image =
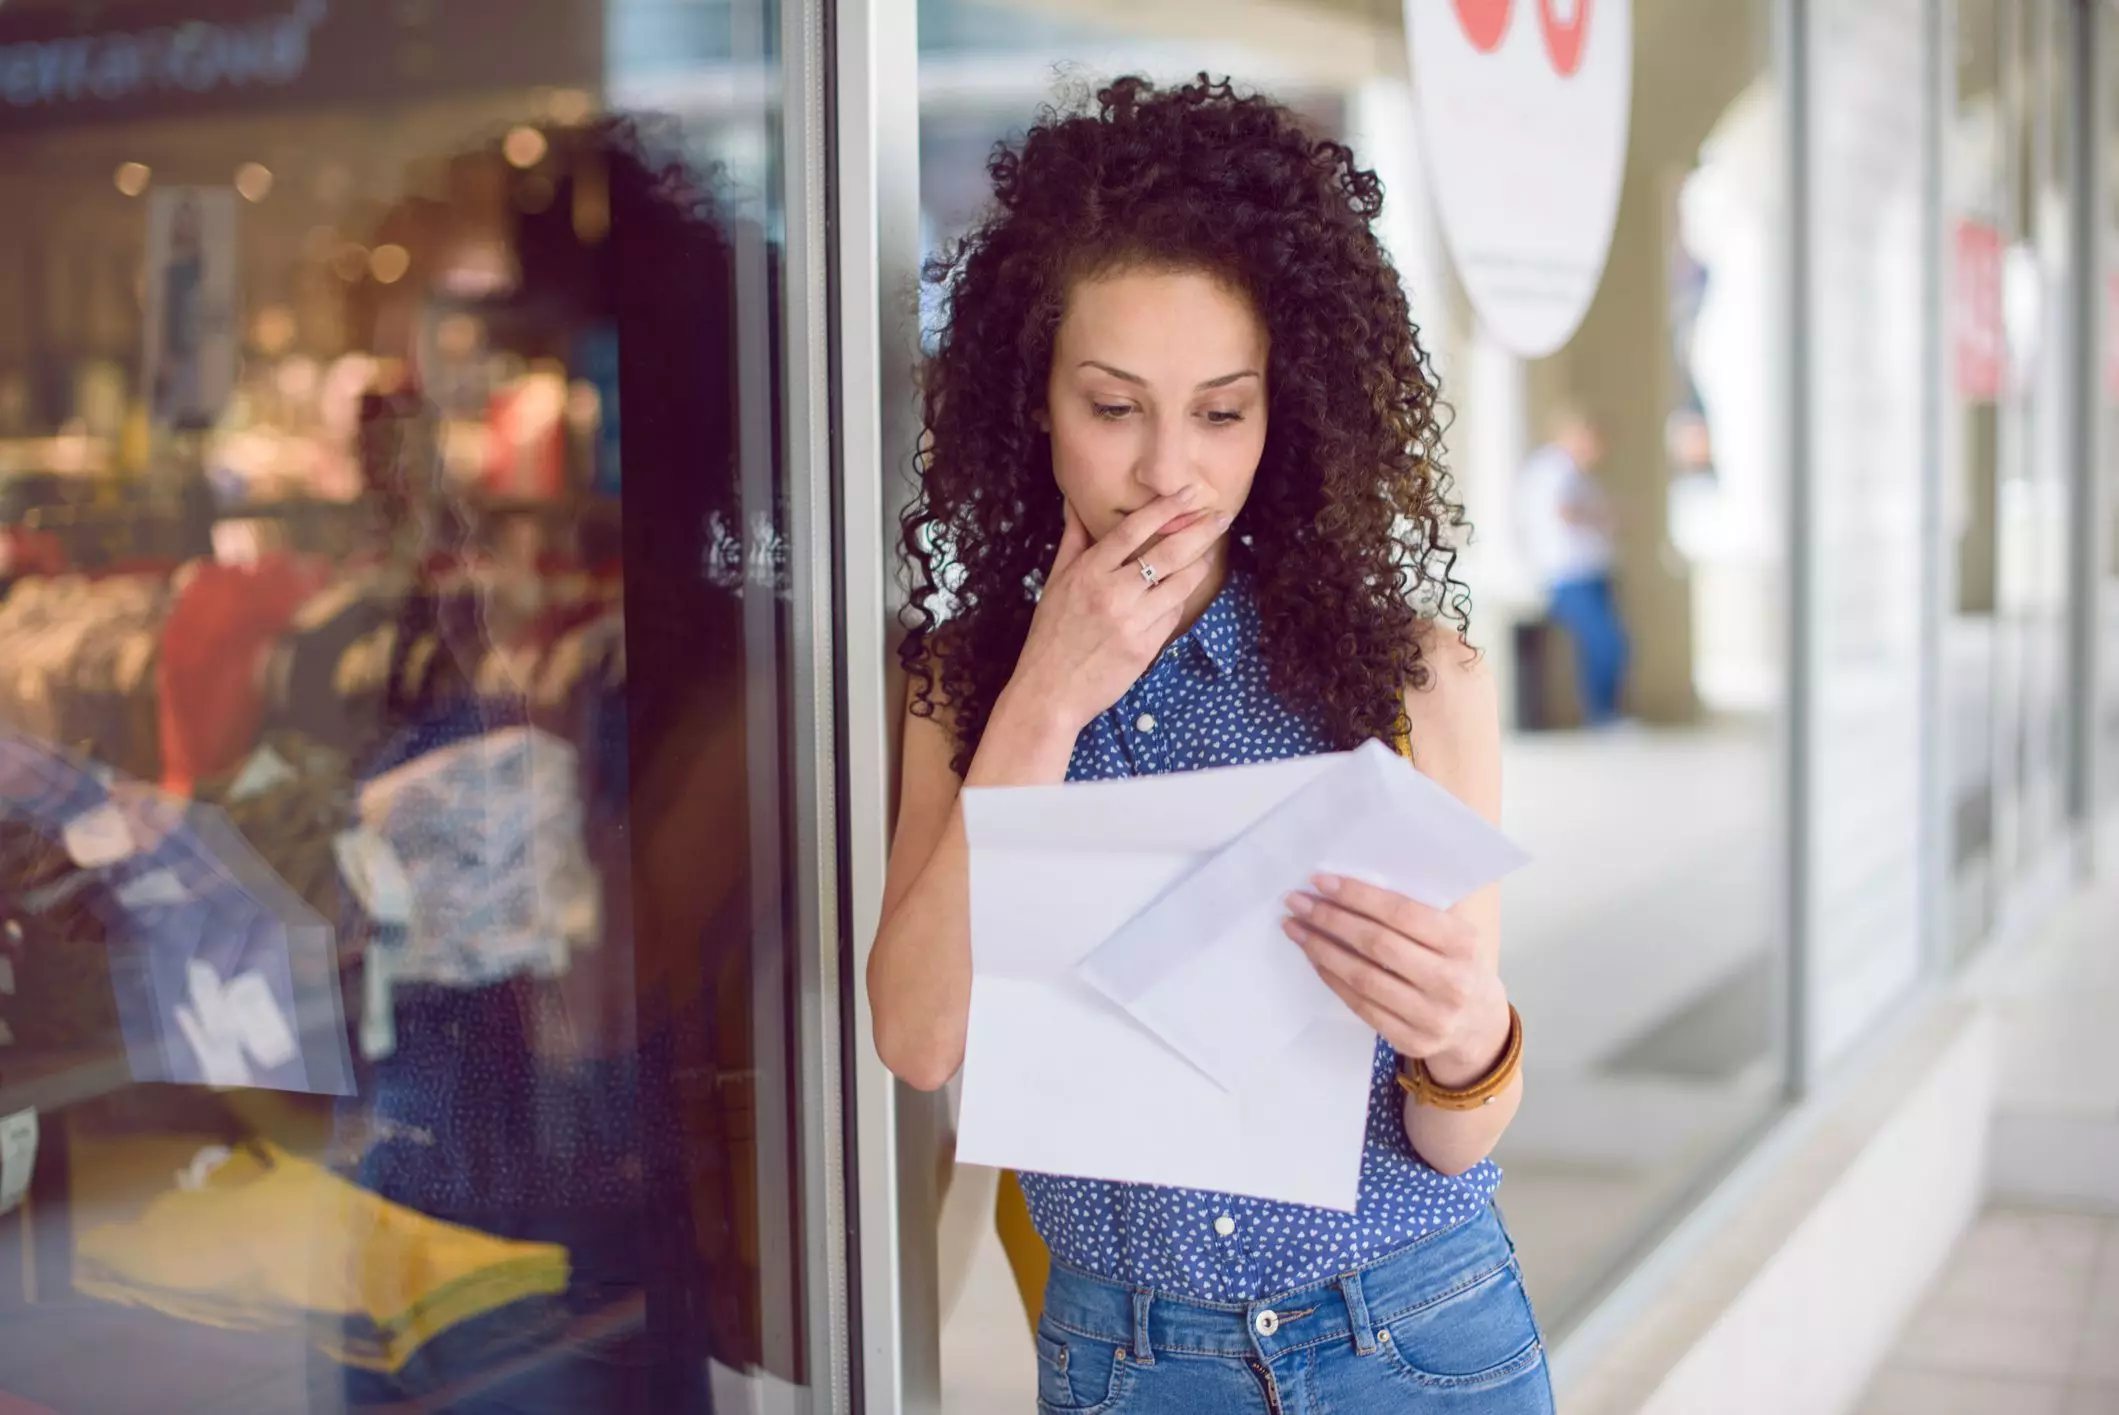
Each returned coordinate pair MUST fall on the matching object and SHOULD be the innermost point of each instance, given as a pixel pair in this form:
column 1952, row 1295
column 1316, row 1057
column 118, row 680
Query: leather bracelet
column 1423, row 1088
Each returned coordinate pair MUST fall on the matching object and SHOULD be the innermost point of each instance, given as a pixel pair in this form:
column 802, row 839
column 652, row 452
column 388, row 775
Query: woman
column 1179, row 482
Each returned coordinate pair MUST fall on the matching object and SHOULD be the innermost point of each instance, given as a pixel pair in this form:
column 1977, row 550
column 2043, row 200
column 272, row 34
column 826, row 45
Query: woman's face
column 1158, row 384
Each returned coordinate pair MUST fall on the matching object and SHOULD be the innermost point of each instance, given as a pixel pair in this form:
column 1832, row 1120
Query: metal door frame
column 875, row 166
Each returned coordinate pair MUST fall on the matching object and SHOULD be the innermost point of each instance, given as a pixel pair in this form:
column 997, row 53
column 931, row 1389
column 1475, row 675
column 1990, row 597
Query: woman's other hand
column 1414, row 973
column 1100, row 622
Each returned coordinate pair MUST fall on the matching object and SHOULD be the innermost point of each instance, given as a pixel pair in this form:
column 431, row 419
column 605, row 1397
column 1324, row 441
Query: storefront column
column 895, row 1134
column 2088, row 487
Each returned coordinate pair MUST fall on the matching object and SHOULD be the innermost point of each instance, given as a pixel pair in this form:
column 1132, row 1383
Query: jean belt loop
column 1357, row 1315
column 1142, row 1351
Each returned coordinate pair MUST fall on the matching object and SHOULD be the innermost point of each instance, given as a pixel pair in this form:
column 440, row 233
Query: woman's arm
column 1098, row 626
column 919, row 973
column 1457, row 726
column 1429, row 980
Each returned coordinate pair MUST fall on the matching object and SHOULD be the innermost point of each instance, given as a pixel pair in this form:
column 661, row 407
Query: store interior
column 342, row 789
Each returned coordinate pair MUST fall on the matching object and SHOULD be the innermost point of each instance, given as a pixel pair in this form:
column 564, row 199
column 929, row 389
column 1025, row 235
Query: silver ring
column 1147, row 572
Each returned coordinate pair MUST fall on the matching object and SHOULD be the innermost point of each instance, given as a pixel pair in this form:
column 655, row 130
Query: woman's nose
column 1164, row 466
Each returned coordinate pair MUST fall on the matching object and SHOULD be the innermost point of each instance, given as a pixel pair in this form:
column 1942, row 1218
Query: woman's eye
column 1112, row 412
column 1219, row 418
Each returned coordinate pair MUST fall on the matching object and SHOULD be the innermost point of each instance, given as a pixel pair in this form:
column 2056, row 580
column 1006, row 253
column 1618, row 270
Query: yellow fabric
column 271, row 1241
column 1028, row 1257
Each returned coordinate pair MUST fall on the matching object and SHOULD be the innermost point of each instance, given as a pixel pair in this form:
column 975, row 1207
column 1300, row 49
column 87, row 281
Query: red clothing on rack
column 211, row 699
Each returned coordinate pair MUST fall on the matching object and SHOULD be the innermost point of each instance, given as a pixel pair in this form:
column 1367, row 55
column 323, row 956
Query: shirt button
column 1145, row 722
column 1267, row 1322
column 1225, row 1225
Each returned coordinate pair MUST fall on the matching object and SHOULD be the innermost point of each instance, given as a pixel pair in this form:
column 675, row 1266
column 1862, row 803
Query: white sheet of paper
column 1207, row 968
column 1060, row 1079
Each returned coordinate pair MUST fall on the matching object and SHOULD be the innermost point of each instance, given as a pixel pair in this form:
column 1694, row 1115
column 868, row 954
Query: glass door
column 418, row 979
column 2106, row 118
column 2031, row 586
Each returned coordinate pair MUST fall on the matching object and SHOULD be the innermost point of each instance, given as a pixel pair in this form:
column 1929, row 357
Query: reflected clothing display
column 290, row 799
column 402, row 805
column 54, row 951
column 220, row 974
column 77, row 663
column 1205, row 702
column 326, row 674
column 369, row 1282
column 207, row 678
column 488, row 831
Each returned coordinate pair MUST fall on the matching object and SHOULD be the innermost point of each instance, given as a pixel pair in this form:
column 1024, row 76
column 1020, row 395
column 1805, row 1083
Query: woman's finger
column 1336, row 961
column 1172, row 593
column 1407, row 1034
column 1380, row 944
column 1188, row 546
column 1429, row 973
column 1074, row 539
column 1436, row 928
column 1129, row 535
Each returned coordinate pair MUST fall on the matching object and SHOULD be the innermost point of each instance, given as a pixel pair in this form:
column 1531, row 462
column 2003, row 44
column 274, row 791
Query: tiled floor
column 2025, row 1321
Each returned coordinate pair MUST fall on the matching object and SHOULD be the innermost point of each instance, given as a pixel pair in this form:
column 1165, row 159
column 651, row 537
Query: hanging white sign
column 1522, row 110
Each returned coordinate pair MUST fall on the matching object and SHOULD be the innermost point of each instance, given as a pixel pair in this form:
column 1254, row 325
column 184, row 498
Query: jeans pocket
column 1473, row 1339
column 1078, row 1375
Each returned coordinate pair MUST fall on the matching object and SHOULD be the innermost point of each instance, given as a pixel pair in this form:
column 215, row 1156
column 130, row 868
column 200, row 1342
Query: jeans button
column 1267, row 1322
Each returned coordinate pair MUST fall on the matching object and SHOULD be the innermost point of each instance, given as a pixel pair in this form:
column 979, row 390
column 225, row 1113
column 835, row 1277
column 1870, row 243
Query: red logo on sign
column 1982, row 348
column 2111, row 338
column 1485, row 22
column 1564, row 39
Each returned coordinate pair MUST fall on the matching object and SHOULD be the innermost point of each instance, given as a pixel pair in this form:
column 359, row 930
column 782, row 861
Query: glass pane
column 398, row 967
column 2107, row 119
column 2032, row 152
column 1643, row 948
column 1977, row 354
column 1868, row 315
column 1634, row 541
column 2036, row 501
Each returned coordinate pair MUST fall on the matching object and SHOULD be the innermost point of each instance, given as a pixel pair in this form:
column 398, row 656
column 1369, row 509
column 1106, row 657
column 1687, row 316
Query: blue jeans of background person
column 1589, row 613
column 1442, row 1325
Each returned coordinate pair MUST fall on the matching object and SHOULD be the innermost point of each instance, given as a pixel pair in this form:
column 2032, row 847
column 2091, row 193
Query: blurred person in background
column 1569, row 531
column 1180, row 479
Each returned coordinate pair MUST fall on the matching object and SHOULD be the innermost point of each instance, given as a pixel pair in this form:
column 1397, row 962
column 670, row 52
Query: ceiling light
column 389, row 263
column 524, row 147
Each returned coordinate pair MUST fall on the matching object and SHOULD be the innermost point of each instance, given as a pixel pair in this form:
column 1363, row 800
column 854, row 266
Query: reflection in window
column 395, row 988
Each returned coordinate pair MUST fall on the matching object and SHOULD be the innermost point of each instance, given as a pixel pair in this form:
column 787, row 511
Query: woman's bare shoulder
column 1454, row 717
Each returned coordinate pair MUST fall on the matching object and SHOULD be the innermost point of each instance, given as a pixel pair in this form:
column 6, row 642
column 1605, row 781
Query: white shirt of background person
column 1564, row 515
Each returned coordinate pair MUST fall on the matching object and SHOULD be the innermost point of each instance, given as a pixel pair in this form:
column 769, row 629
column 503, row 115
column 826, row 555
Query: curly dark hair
column 1348, row 530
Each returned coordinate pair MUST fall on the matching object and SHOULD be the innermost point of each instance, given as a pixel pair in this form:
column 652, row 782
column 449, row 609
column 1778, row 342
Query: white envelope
column 1207, row 968
column 1059, row 1078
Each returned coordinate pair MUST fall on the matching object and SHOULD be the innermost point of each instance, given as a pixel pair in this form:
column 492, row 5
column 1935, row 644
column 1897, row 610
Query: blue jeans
column 1443, row 1325
column 1589, row 614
